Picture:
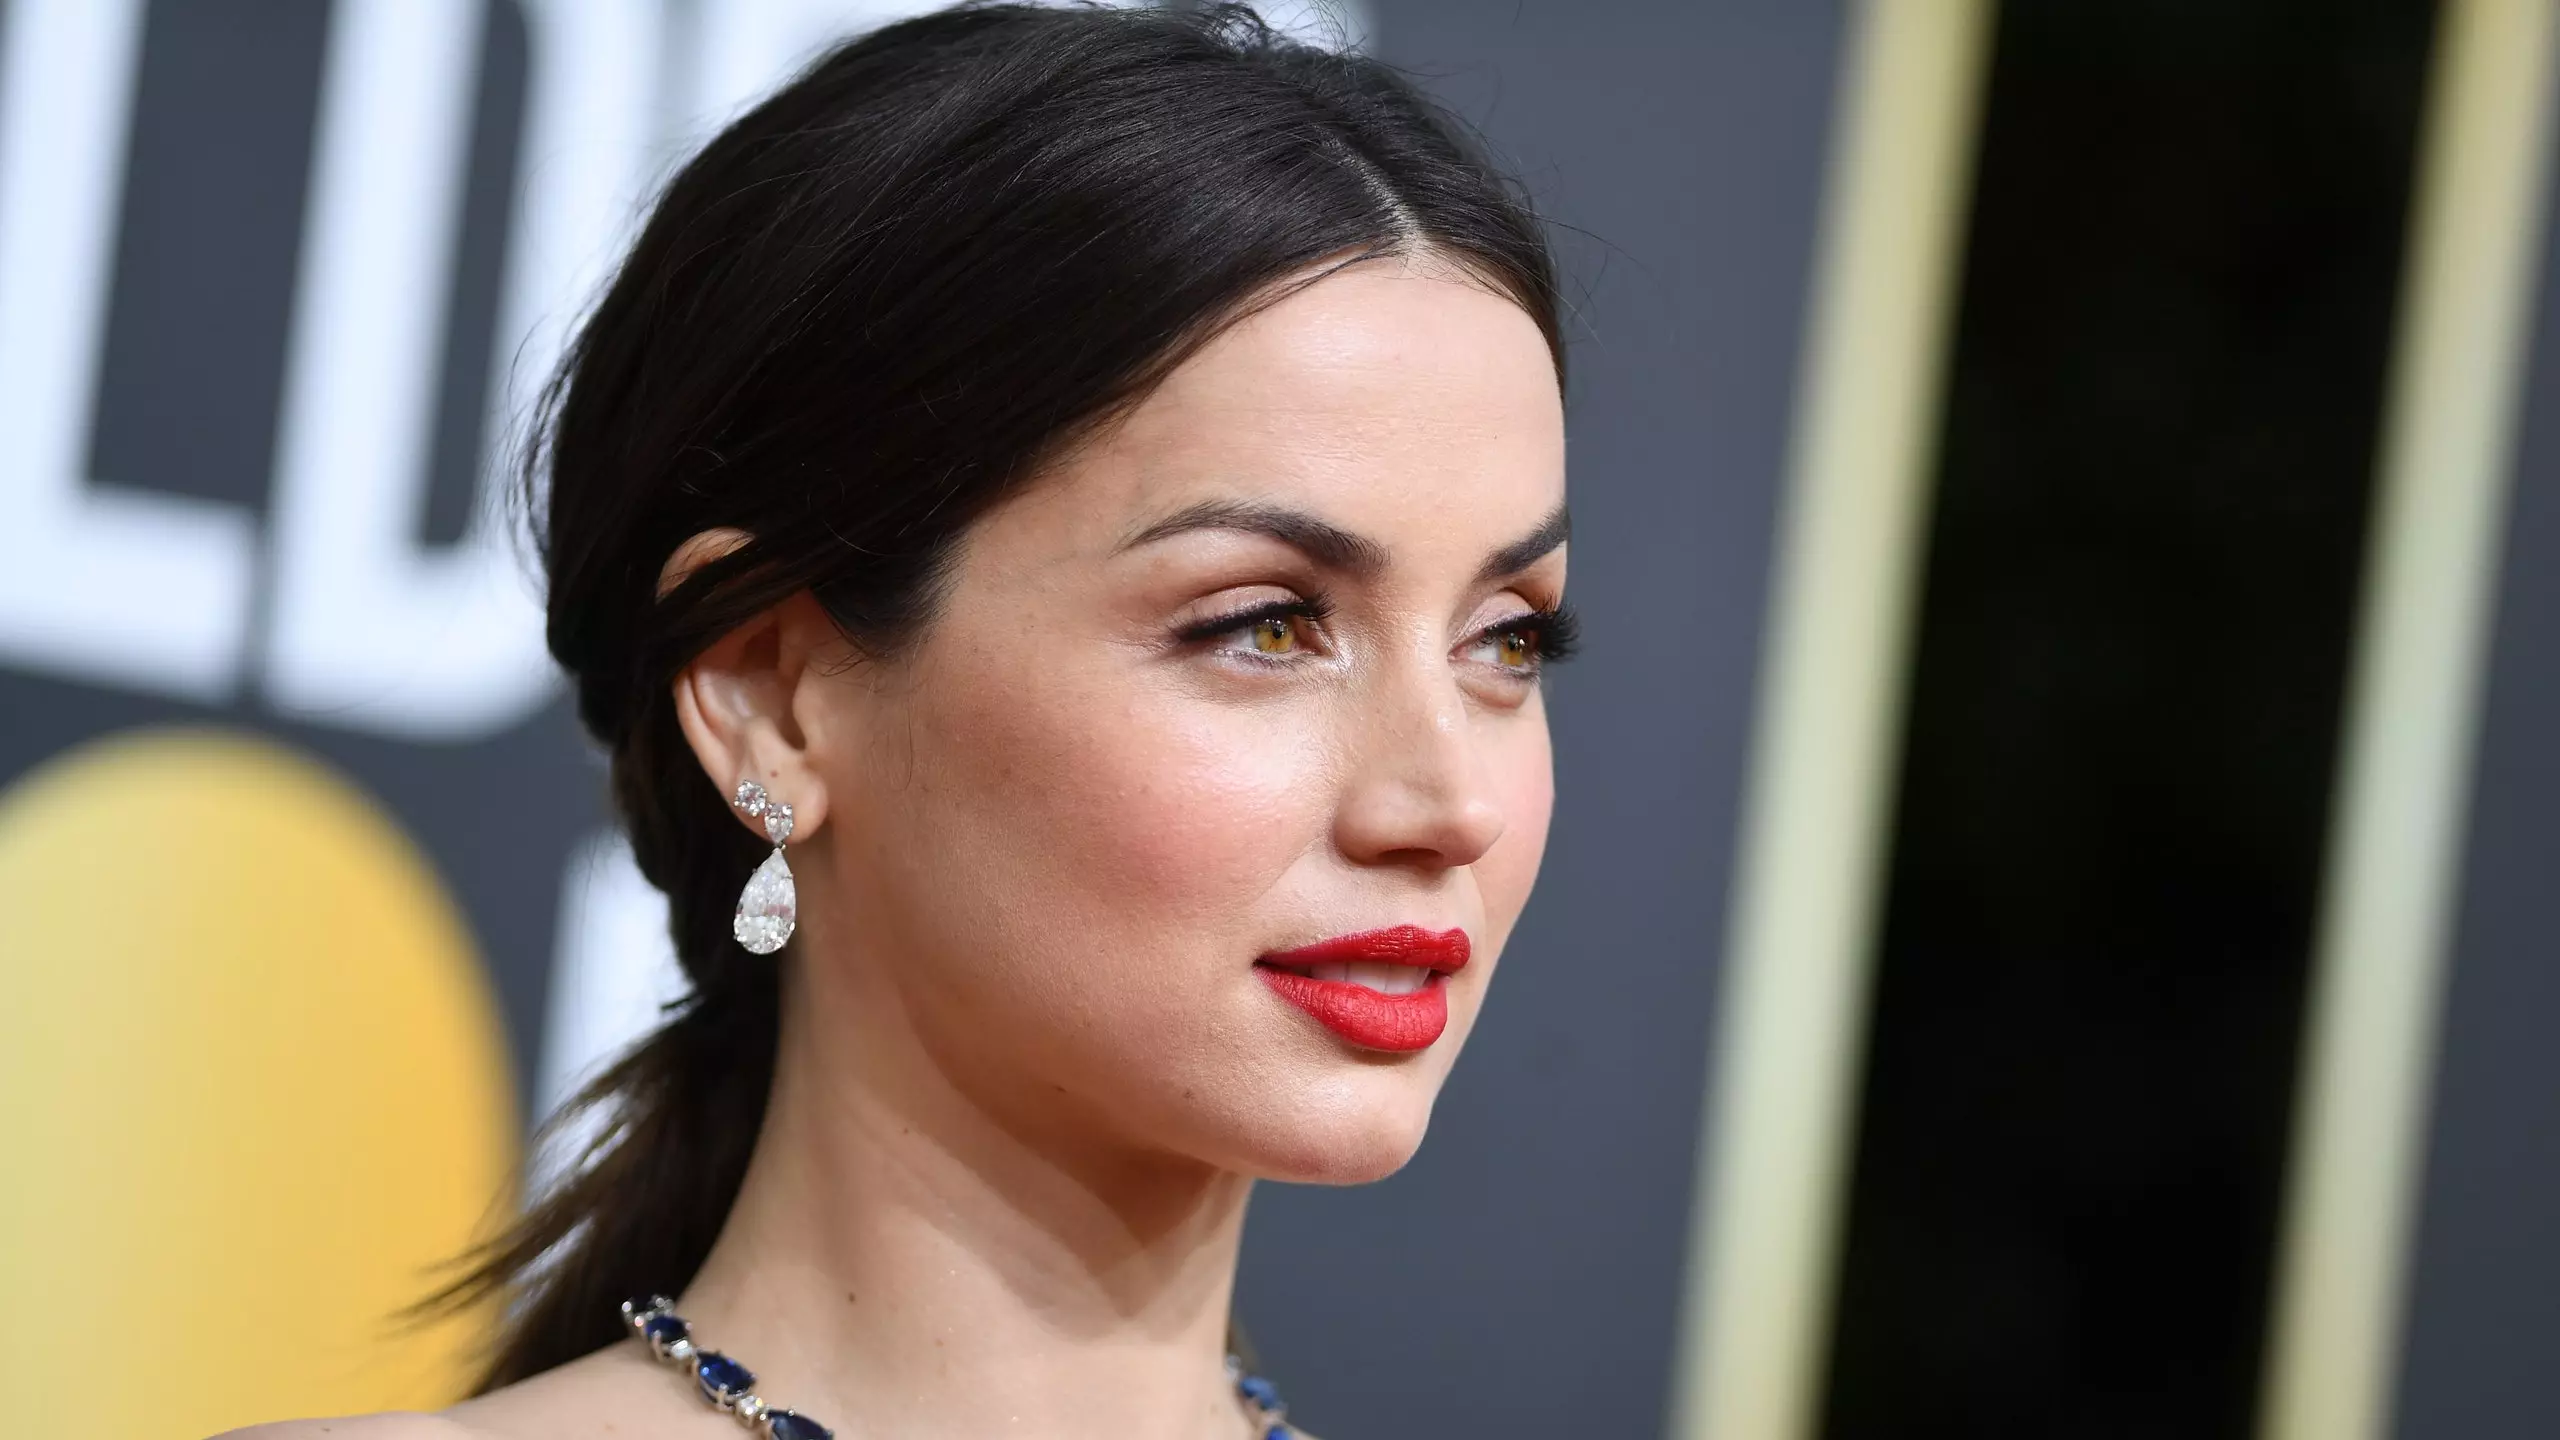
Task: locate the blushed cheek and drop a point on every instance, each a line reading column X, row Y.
column 1137, row 807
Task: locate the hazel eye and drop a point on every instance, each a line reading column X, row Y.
column 1525, row 645
column 1512, row 645
column 1270, row 634
column 1274, row 635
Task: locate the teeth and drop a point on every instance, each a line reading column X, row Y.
column 1375, row 975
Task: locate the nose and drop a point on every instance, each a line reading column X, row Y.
column 1418, row 792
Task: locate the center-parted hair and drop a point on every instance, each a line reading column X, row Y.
column 867, row 310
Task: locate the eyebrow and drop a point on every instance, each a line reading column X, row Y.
column 1529, row 549
column 1334, row 548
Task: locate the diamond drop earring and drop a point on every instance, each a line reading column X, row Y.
column 769, row 906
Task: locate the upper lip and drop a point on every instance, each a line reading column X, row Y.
column 1441, row 950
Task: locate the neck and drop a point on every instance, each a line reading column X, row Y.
column 907, row 1258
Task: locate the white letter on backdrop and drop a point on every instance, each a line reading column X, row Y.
column 116, row 586
column 370, row 628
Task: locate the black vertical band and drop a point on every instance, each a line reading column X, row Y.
column 2141, row 580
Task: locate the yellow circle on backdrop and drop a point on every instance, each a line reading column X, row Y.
column 252, row 1090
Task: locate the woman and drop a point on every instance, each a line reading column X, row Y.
column 1089, row 483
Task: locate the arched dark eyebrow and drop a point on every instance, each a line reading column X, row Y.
column 1327, row 544
column 1334, row 548
column 1529, row 549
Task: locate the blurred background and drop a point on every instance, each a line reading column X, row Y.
column 2068, row 514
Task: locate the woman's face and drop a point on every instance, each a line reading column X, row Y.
column 1064, row 829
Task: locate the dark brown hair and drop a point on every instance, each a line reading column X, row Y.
column 868, row 308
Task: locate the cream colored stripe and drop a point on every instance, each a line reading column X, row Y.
column 2467, row 303
column 1762, row 1239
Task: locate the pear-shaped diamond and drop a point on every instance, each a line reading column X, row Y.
column 768, row 907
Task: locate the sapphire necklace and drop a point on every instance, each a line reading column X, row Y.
column 730, row 1386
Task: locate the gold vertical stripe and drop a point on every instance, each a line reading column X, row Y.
column 1763, row 1236
column 2467, row 303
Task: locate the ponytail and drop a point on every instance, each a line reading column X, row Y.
column 639, row 1216
column 637, row 1213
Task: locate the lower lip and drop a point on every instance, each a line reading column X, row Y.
column 1364, row 1016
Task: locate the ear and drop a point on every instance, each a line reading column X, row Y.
column 738, row 702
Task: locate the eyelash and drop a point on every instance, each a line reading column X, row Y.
column 1555, row 633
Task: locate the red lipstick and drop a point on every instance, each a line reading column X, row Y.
column 1311, row 977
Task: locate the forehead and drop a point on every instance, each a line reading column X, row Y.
column 1387, row 398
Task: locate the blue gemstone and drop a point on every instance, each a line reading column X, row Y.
column 1278, row 1432
column 1260, row 1391
column 664, row 1330
column 722, row 1378
column 791, row 1425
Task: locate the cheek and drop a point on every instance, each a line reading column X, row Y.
column 1117, row 808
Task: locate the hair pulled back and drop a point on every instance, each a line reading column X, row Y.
column 862, row 313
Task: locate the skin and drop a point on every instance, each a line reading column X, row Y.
column 1028, row 1073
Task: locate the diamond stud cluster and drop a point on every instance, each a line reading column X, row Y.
column 752, row 801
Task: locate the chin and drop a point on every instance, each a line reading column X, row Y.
column 1357, row 1138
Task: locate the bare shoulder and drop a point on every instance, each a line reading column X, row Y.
column 393, row 1425
column 587, row 1396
